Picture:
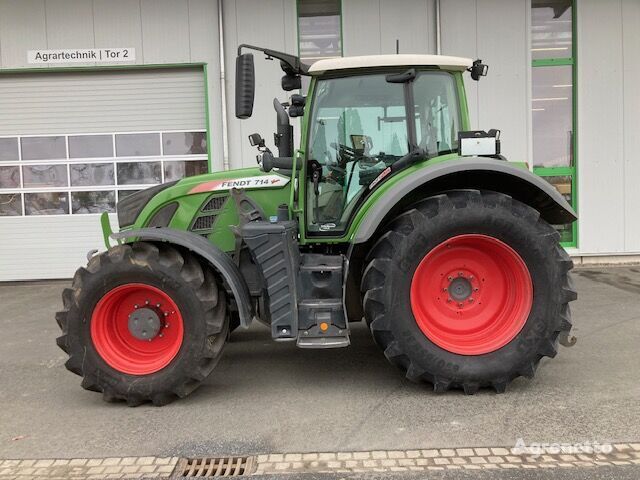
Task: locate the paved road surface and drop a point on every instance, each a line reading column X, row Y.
column 266, row 397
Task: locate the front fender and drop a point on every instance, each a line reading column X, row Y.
column 212, row 254
column 475, row 173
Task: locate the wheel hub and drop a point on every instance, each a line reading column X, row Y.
column 144, row 323
column 460, row 289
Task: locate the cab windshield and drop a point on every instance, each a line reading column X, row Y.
column 359, row 128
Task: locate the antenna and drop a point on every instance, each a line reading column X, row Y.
column 397, row 46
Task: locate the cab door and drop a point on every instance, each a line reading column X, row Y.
column 358, row 128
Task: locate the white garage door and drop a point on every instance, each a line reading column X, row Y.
column 72, row 143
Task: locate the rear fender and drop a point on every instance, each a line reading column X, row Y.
column 470, row 173
column 209, row 252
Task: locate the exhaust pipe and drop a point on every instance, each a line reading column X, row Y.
column 284, row 136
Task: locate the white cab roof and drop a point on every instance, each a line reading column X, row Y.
column 399, row 60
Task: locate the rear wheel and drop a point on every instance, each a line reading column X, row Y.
column 143, row 322
column 468, row 289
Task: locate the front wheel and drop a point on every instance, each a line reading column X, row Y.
column 143, row 322
column 468, row 289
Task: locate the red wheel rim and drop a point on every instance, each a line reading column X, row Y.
column 472, row 294
column 116, row 343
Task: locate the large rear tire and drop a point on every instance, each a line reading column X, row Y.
column 143, row 322
column 468, row 289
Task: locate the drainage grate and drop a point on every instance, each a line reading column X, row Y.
column 215, row 203
column 204, row 223
column 217, row 467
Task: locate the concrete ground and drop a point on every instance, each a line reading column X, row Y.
column 267, row 397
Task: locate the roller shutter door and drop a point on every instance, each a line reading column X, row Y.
column 72, row 143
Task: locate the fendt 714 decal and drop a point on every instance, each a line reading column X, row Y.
column 262, row 181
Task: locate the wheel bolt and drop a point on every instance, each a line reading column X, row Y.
column 146, row 302
column 460, row 274
column 166, row 325
column 150, row 339
column 135, row 306
column 475, row 289
column 471, row 300
column 460, row 305
column 470, row 277
column 448, row 300
column 166, row 314
column 444, row 289
column 449, row 278
column 161, row 335
column 157, row 305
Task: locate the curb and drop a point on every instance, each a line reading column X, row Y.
column 472, row 458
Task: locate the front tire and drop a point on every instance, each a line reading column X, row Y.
column 143, row 322
column 468, row 289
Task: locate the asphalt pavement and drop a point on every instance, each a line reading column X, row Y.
column 267, row 397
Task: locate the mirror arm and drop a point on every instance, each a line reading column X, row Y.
column 293, row 62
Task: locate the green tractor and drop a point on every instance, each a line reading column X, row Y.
column 391, row 211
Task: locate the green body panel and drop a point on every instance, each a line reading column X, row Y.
column 190, row 204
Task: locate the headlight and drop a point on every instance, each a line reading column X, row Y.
column 130, row 207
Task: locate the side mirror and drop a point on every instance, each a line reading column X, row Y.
column 256, row 140
column 478, row 69
column 245, row 85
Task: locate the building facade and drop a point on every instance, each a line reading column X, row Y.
column 101, row 98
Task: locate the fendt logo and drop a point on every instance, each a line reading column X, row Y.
column 263, row 181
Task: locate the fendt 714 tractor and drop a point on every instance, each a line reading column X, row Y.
column 392, row 211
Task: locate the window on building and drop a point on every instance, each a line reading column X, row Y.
column 8, row 149
column 319, row 29
column 553, row 100
column 551, row 29
column 88, row 174
column 90, row 146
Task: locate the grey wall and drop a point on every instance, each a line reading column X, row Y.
column 265, row 23
column 608, row 125
column 161, row 31
column 371, row 27
column 495, row 31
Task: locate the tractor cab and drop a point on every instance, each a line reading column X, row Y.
column 366, row 119
column 398, row 115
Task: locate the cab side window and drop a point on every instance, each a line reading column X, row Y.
column 359, row 127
